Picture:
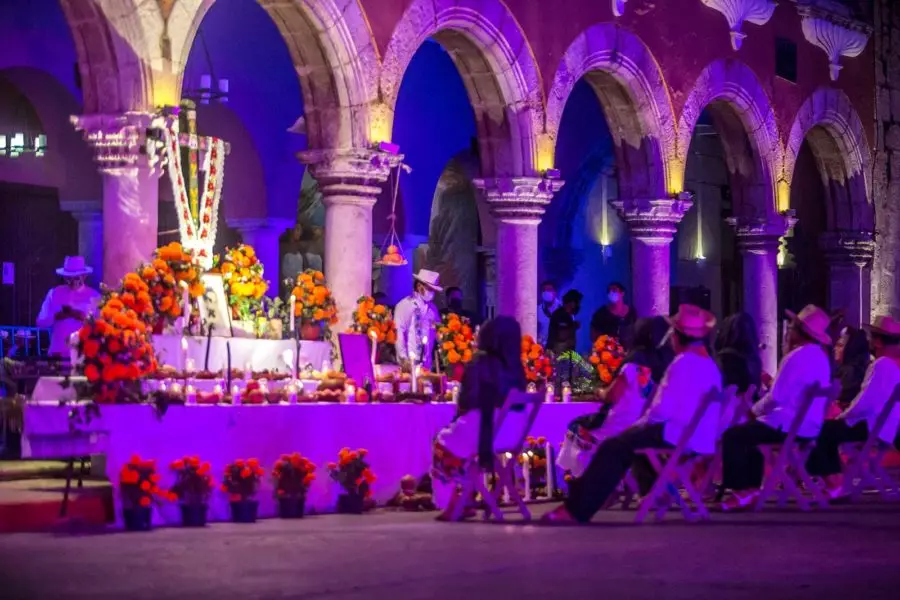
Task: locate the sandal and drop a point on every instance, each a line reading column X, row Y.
column 737, row 502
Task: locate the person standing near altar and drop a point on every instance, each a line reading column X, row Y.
column 415, row 317
column 67, row 305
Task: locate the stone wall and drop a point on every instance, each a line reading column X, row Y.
column 886, row 176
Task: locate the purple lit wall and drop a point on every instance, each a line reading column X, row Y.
column 246, row 48
column 572, row 230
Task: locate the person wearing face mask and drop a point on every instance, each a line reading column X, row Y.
column 67, row 305
column 615, row 318
column 546, row 307
column 415, row 317
column 455, row 305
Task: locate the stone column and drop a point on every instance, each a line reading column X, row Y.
column 350, row 181
column 263, row 235
column 849, row 256
column 652, row 225
column 517, row 205
column 127, row 153
column 759, row 241
column 89, row 215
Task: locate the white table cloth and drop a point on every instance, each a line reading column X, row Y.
column 397, row 436
column 258, row 354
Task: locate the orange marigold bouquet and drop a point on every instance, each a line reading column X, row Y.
column 171, row 267
column 193, row 483
column 116, row 351
column 374, row 320
column 135, row 295
column 607, row 356
column 242, row 275
column 314, row 302
column 536, row 362
column 139, row 483
column 241, row 479
column 352, row 472
column 292, row 475
column 455, row 340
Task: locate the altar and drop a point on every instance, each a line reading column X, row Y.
column 246, row 354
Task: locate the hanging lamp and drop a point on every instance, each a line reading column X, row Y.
column 391, row 249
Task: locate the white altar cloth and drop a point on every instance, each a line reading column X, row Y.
column 397, row 436
column 258, row 354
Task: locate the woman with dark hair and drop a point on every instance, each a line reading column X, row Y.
column 737, row 352
column 494, row 371
column 851, row 359
column 625, row 399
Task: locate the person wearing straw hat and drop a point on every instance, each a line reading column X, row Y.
column 415, row 317
column 854, row 424
column 806, row 363
column 688, row 379
column 67, row 305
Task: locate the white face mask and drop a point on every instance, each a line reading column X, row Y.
column 548, row 297
column 427, row 295
column 614, row 297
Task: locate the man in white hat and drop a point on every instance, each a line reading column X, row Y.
column 855, row 423
column 67, row 305
column 805, row 364
column 415, row 317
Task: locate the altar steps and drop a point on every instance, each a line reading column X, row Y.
column 33, row 505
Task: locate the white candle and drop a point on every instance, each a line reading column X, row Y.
column 350, row 393
column 217, row 390
column 293, row 305
column 186, row 301
column 190, row 366
column 374, row 337
column 190, row 395
column 526, row 474
column 176, row 389
column 567, row 392
column 550, row 474
column 326, row 365
column 413, row 373
column 292, row 394
column 425, row 354
column 549, row 393
column 162, row 387
column 531, row 388
column 455, row 393
column 235, row 395
column 184, row 352
column 248, row 371
column 264, row 386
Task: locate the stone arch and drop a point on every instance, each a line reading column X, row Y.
column 744, row 118
column 828, row 121
column 497, row 65
column 333, row 52
column 635, row 99
column 118, row 48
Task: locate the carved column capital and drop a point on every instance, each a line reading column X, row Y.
column 834, row 32
column 762, row 235
column 351, row 175
column 856, row 248
column 518, row 200
column 653, row 221
column 736, row 12
column 124, row 143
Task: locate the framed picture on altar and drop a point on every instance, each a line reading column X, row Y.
column 214, row 310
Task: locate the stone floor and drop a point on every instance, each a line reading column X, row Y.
column 845, row 552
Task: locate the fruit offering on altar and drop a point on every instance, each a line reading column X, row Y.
column 213, row 397
column 393, row 257
column 242, row 275
column 329, row 395
column 208, row 375
column 254, row 393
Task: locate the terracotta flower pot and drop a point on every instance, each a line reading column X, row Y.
column 350, row 504
column 310, row 332
column 193, row 515
column 244, row 511
column 137, row 518
column 292, row 508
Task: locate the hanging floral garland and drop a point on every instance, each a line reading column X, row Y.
column 199, row 235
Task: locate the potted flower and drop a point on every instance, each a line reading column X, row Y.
column 314, row 306
column 242, row 275
column 240, row 482
column 138, row 484
column 352, row 473
column 292, row 475
column 192, row 488
column 455, row 344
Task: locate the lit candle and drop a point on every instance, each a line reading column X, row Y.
column 186, row 311
column 455, row 393
column 293, row 305
column 292, row 394
column 190, row 395
column 326, row 365
column 425, row 356
column 190, row 366
column 350, row 393
column 567, row 392
column 184, row 352
column 176, row 389
column 162, row 387
column 217, row 390
column 531, row 388
column 264, row 386
column 374, row 337
column 427, row 388
column 549, row 393
column 235, row 395
column 248, row 371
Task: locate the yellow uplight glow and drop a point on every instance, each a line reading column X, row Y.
column 165, row 90
column 545, row 151
column 783, row 195
column 781, row 253
column 675, row 176
column 380, row 123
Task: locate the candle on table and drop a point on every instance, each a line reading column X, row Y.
column 293, row 305
column 531, row 388
column 427, row 388
column 455, row 393
column 566, row 392
column 248, row 371
column 186, row 302
column 526, row 473
column 549, row 393
column 190, row 366
column 217, row 390
column 162, row 387
column 413, row 373
column 190, row 395
column 176, row 389
column 374, row 337
column 264, row 386
column 184, row 352
column 235, row 395
column 350, row 393
column 292, row 394
column 550, row 475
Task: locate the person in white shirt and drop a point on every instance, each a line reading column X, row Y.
column 415, row 317
column 546, row 307
column 855, row 423
column 689, row 378
column 66, row 306
column 806, row 364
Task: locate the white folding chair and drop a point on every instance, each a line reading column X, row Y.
column 512, row 424
column 864, row 459
column 785, row 463
column 674, row 467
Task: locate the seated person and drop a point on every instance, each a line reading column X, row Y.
column 851, row 363
column 690, row 377
column 854, row 424
column 494, row 371
column 805, row 364
column 626, row 399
